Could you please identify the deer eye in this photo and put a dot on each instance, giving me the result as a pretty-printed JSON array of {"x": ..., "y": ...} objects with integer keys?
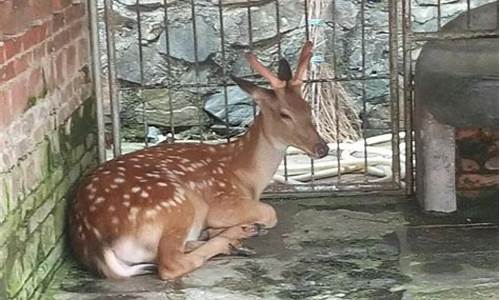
[{"x": 285, "y": 116}]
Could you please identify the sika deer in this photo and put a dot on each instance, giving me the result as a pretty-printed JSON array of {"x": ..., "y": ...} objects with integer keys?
[{"x": 148, "y": 208}]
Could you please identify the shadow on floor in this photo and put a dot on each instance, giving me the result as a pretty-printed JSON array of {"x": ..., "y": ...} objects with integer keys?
[{"x": 343, "y": 248}]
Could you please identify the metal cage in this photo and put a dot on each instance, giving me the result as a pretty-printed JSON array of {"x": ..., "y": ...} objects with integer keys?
[{"x": 403, "y": 44}]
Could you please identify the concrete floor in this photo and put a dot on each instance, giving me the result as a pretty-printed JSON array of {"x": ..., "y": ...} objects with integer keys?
[{"x": 343, "y": 248}]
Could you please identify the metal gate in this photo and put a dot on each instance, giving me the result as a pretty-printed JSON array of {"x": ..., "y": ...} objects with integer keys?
[{"x": 379, "y": 160}]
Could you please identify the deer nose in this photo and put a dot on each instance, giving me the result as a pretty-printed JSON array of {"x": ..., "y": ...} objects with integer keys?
[{"x": 321, "y": 149}]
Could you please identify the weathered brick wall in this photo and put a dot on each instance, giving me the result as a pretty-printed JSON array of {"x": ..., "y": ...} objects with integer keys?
[
  {"x": 477, "y": 160},
  {"x": 47, "y": 134}
]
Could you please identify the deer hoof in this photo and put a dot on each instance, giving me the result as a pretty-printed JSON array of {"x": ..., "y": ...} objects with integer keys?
[
  {"x": 261, "y": 229},
  {"x": 240, "y": 250}
]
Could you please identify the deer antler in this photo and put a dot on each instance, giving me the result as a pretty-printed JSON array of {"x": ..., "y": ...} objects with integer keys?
[
  {"x": 305, "y": 56},
  {"x": 268, "y": 75}
]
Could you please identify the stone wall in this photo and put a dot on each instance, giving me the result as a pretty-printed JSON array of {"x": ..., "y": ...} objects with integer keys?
[{"x": 47, "y": 134}]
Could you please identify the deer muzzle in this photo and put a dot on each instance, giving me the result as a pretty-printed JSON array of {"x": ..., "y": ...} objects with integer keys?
[{"x": 321, "y": 149}]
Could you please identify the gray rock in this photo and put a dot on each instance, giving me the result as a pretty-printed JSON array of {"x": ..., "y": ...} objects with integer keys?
[
  {"x": 239, "y": 110},
  {"x": 158, "y": 108},
  {"x": 128, "y": 66},
  {"x": 181, "y": 39}
]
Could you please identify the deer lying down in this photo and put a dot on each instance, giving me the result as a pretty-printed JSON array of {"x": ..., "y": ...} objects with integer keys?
[{"x": 148, "y": 208}]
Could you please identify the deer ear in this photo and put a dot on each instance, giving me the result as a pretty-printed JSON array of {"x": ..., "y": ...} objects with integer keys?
[
  {"x": 258, "y": 93},
  {"x": 284, "y": 71}
]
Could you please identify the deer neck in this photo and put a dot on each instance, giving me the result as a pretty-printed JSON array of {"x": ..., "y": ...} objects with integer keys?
[{"x": 256, "y": 157}]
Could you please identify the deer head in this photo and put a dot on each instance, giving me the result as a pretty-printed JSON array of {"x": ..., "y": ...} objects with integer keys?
[{"x": 287, "y": 116}]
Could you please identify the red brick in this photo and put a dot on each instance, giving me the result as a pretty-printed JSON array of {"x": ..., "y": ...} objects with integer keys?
[
  {"x": 467, "y": 133},
  {"x": 58, "y": 21},
  {"x": 476, "y": 181},
  {"x": 83, "y": 52},
  {"x": 61, "y": 39},
  {"x": 70, "y": 60},
  {"x": 42, "y": 9},
  {"x": 34, "y": 36},
  {"x": 18, "y": 97},
  {"x": 59, "y": 5},
  {"x": 15, "y": 16},
  {"x": 7, "y": 72},
  {"x": 2, "y": 53},
  {"x": 5, "y": 116},
  {"x": 75, "y": 12},
  {"x": 12, "y": 46},
  {"x": 39, "y": 52},
  {"x": 35, "y": 82},
  {"x": 76, "y": 30},
  {"x": 469, "y": 165},
  {"x": 59, "y": 75},
  {"x": 491, "y": 164},
  {"x": 21, "y": 63}
]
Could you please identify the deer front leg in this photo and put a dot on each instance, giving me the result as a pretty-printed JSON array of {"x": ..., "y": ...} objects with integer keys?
[
  {"x": 244, "y": 212},
  {"x": 176, "y": 258}
]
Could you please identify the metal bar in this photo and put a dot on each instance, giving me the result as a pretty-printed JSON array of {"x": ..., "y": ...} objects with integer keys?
[
  {"x": 141, "y": 71},
  {"x": 96, "y": 74},
  {"x": 468, "y": 14},
  {"x": 438, "y": 15},
  {"x": 336, "y": 103},
  {"x": 197, "y": 67},
  {"x": 262, "y": 82},
  {"x": 278, "y": 27},
  {"x": 169, "y": 70},
  {"x": 431, "y": 36},
  {"x": 114, "y": 95},
  {"x": 306, "y": 17},
  {"x": 394, "y": 89},
  {"x": 408, "y": 96},
  {"x": 363, "y": 87},
  {"x": 224, "y": 76},
  {"x": 250, "y": 43},
  {"x": 278, "y": 37}
]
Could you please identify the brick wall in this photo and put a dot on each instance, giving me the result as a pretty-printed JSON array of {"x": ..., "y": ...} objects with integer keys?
[
  {"x": 477, "y": 160},
  {"x": 47, "y": 134}
]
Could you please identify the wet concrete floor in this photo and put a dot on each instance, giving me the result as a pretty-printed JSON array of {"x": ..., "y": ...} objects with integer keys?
[{"x": 342, "y": 248}]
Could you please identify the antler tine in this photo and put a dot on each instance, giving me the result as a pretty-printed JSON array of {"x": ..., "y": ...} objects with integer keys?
[
  {"x": 259, "y": 68},
  {"x": 305, "y": 56}
]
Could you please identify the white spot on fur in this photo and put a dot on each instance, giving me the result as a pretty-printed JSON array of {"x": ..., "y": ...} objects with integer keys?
[
  {"x": 126, "y": 204},
  {"x": 161, "y": 183},
  {"x": 111, "y": 208},
  {"x": 144, "y": 194},
  {"x": 92, "y": 208},
  {"x": 106, "y": 172},
  {"x": 132, "y": 216},
  {"x": 96, "y": 233},
  {"x": 126, "y": 196},
  {"x": 121, "y": 169},
  {"x": 113, "y": 186},
  {"x": 136, "y": 189},
  {"x": 150, "y": 213},
  {"x": 99, "y": 200},
  {"x": 119, "y": 180}
]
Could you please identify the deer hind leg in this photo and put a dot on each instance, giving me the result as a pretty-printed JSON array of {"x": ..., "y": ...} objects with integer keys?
[{"x": 173, "y": 262}]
